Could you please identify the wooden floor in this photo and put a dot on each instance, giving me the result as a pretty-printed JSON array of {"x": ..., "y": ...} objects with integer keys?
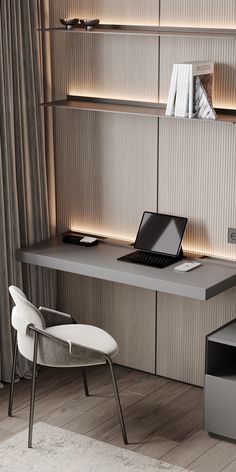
[{"x": 163, "y": 417}]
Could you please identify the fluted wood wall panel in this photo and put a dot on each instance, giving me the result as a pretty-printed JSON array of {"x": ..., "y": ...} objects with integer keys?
[
  {"x": 127, "y": 313},
  {"x": 208, "y": 13},
  {"x": 182, "y": 325},
  {"x": 107, "y": 167},
  {"x": 118, "y": 66},
  {"x": 218, "y": 50},
  {"x": 108, "y": 11},
  {"x": 106, "y": 171},
  {"x": 197, "y": 169}
]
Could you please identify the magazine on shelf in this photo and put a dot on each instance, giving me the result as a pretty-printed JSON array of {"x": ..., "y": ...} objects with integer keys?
[{"x": 190, "y": 93}]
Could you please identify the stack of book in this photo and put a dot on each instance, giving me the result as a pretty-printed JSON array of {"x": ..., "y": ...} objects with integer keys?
[{"x": 190, "y": 93}]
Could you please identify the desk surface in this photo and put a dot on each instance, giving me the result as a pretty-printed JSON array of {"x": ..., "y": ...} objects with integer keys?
[{"x": 208, "y": 280}]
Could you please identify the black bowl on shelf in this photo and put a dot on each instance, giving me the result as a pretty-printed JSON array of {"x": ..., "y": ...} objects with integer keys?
[
  {"x": 69, "y": 22},
  {"x": 89, "y": 24}
]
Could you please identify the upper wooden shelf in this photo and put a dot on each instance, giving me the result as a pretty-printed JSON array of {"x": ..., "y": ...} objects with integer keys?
[
  {"x": 128, "y": 106},
  {"x": 229, "y": 33},
  {"x": 116, "y": 106}
]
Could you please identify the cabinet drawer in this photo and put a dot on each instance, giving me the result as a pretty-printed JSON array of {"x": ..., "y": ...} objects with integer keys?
[{"x": 220, "y": 406}]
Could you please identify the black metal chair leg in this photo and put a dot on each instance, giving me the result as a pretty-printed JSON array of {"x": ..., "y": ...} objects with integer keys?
[
  {"x": 11, "y": 396},
  {"x": 32, "y": 401},
  {"x": 117, "y": 397},
  {"x": 85, "y": 381}
]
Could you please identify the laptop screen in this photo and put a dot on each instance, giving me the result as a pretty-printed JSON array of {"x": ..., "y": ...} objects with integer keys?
[{"x": 160, "y": 233}]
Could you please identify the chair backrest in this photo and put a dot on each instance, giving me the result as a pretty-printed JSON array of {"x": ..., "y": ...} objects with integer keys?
[
  {"x": 50, "y": 352},
  {"x": 14, "y": 291},
  {"x": 24, "y": 314}
]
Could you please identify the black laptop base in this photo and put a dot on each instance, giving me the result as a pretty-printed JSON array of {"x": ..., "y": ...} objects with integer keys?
[{"x": 150, "y": 259}]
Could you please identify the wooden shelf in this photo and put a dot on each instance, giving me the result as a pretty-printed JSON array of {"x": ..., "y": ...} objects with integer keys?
[
  {"x": 131, "y": 107},
  {"x": 150, "y": 30},
  {"x": 108, "y": 107}
]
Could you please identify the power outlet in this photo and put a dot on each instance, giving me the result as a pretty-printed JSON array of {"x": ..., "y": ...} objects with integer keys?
[{"x": 232, "y": 235}]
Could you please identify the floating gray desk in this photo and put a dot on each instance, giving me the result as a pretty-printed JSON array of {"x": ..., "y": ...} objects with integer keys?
[{"x": 101, "y": 262}]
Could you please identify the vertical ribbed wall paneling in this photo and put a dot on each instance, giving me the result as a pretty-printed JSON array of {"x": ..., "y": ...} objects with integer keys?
[
  {"x": 106, "y": 168},
  {"x": 219, "y": 50},
  {"x": 108, "y": 11},
  {"x": 118, "y": 66},
  {"x": 46, "y": 95},
  {"x": 106, "y": 171},
  {"x": 182, "y": 325},
  {"x": 45, "y": 12},
  {"x": 60, "y": 58},
  {"x": 208, "y": 13},
  {"x": 197, "y": 169},
  {"x": 127, "y": 313}
]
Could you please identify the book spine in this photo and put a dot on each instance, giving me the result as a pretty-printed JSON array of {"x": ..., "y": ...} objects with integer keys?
[
  {"x": 170, "y": 108},
  {"x": 191, "y": 99},
  {"x": 182, "y": 96}
]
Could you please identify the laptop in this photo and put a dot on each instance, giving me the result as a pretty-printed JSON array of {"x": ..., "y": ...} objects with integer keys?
[{"x": 158, "y": 240}]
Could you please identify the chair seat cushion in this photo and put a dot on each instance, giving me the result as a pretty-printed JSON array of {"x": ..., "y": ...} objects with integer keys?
[{"x": 86, "y": 336}]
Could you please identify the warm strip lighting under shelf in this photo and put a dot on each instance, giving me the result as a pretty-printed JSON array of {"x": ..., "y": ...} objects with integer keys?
[
  {"x": 221, "y": 109},
  {"x": 204, "y": 26},
  {"x": 104, "y": 28},
  {"x": 207, "y": 253},
  {"x": 130, "y": 240},
  {"x": 109, "y": 235},
  {"x": 149, "y": 101}
]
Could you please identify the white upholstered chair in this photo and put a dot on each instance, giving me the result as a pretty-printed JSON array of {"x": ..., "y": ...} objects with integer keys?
[{"x": 51, "y": 338}]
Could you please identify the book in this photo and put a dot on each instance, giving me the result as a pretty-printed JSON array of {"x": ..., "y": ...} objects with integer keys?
[
  {"x": 202, "y": 73},
  {"x": 203, "y": 106},
  {"x": 170, "y": 108},
  {"x": 182, "y": 92},
  {"x": 190, "y": 93}
]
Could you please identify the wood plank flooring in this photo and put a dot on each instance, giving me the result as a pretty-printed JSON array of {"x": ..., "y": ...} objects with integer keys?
[{"x": 163, "y": 417}]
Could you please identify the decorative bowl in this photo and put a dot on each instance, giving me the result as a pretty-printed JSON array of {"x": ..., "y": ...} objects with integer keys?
[
  {"x": 89, "y": 24},
  {"x": 69, "y": 22}
]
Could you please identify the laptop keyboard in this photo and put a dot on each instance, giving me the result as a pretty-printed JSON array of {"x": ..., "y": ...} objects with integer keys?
[{"x": 147, "y": 258}]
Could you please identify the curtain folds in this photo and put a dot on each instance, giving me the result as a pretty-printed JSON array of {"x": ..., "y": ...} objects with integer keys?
[{"x": 24, "y": 206}]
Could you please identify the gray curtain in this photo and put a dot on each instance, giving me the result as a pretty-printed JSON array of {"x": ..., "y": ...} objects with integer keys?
[{"x": 24, "y": 207}]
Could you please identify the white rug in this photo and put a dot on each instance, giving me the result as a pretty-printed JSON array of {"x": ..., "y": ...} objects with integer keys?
[{"x": 57, "y": 450}]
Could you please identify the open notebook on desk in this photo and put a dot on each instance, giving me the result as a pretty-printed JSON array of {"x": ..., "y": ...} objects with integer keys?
[{"x": 158, "y": 240}]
